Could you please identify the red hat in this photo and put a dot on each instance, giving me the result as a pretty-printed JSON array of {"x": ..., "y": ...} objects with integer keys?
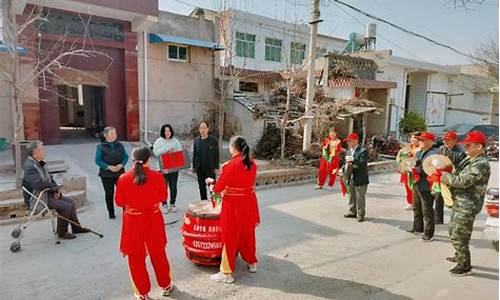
[
  {"x": 474, "y": 137},
  {"x": 425, "y": 136},
  {"x": 450, "y": 135},
  {"x": 352, "y": 137}
]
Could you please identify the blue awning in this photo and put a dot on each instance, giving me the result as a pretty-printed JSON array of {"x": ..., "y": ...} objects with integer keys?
[
  {"x": 5, "y": 48},
  {"x": 158, "y": 38}
]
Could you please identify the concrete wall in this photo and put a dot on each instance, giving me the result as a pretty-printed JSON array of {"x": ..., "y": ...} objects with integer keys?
[
  {"x": 178, "y": 92},
  {"x": 253, "y": 129},
  {"x": 29, "y": 101},
  {"x": 378, "y": 124},
  {"x": 396, "y": 95}
]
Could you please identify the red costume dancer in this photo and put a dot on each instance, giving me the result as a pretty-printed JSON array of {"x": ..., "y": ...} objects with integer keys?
[
  {"x": 330, "y": 159},
  {"x": 240, "y": 214},
  {"x": 140, "y": 192},
  {"x": 407, "y": 178}
]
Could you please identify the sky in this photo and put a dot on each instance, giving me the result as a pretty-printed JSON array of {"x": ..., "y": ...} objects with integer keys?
[{"x": 463, "y": 29}]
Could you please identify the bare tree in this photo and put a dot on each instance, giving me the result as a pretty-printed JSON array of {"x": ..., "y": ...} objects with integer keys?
[
  {"x": 465, "y": 4},
  {"x": 228, "y": 74},
  {"x": 24, "y": 44},
  {"x": 486, "y": 55}
]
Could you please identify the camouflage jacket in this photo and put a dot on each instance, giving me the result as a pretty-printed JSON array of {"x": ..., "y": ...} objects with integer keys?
[{"x": 468, "y": 184}]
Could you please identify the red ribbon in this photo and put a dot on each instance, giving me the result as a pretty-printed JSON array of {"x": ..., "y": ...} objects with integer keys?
[{"x": 436, "y": 176}]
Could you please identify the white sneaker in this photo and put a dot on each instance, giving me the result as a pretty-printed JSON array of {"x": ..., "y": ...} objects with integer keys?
[
  {"x": 172, "y": 208},
  {"x": 221, "y": 277},
  {"x": 142, "y": 297},
  {"x": 252, "y": 268},
  {"x": 165, "y": 292},
  {"x": 318, "y": 187},
  {"x": 330, "y": 188},
  {"x": 409, "y": 207}
]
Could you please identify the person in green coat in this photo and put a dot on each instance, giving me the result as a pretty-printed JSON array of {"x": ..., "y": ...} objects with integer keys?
[{"x": 468, "y": 184}]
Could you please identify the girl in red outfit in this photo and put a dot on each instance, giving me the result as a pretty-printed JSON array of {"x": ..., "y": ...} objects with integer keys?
[
  {"x": 330, "y": 158},
  {"x": 140, "y": 192},
  {"x": 240, "y": 213}
]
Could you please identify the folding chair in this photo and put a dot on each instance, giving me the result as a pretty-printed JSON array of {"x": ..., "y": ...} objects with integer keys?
[{"x": 39, "y": 208}]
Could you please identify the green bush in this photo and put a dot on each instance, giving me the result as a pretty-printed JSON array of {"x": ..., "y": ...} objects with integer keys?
[{"x": 411, "y": 122}]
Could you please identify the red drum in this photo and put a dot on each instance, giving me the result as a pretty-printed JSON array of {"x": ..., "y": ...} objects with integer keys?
[{"x": 201, "y": 231}]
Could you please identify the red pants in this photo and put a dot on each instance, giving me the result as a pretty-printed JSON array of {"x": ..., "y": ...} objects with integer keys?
[
  {"x": 409, "y": 192},
  {"x": 245, "y": 245},
  {"x": 139, "y": 274},
  {"x": 326, "y": 169}
]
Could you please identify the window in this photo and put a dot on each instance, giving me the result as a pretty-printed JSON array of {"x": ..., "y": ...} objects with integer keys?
[
  {"x": 297, "y": 53},
  {"x": 177, "y": 53},
  {"x": 273, "y": 49},
  {"x": 245, "y": 45}
]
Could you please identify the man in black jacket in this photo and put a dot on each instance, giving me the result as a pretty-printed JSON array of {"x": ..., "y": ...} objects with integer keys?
[
  {"x": 356, "y": 160},
  {"x": 205, "y": 158},
  {"x": 423, "y": 199},
  {"x": 36, "y": 177}
]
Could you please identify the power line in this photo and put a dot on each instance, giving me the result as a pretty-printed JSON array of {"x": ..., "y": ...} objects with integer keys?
[
  {"x": 408, "y": 31},
  {"x": 378, "y": 34}
]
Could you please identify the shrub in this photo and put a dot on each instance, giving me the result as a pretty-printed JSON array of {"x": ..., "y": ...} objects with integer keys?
[{"x": 411, "y": 122}]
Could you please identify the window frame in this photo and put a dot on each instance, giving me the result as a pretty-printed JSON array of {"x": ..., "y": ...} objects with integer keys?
[
  {"x": 245, "y": 46},
  {"x": 178, "y": 47},
  {"x": 270, "y": 48},
  {"x": 294, "y": 56}
]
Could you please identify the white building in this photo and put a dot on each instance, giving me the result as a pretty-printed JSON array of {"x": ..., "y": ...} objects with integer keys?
[
  {"x": 444, "y": 95},
  {"x": 262, "y": 45}
]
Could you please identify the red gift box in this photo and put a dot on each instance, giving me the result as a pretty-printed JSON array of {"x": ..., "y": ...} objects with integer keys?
[{"x": 174, "y": 161}]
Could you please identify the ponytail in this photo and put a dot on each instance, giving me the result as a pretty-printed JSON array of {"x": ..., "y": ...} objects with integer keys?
[
  {"x": 141, "y": 156},
  {"x": 241, "y": 145}
]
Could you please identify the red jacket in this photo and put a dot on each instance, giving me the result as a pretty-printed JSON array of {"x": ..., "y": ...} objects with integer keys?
[
  {"x": 142, "y": 218},
  {"x": 240, "y": 210}
]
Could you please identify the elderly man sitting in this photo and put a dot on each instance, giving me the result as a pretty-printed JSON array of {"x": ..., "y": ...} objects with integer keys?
[{"x": 37, "y": 178}]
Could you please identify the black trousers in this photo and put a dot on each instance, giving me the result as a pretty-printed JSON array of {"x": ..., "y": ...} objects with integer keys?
[
  {"x": 423, "y": 212},
  {"x": 203, "y": 174},
  {"x": 109, "y": 184},
  {"x": 171, "y": 182},
  {"x": 439, "y": 208},
  {"x": 67, "y": 209}
]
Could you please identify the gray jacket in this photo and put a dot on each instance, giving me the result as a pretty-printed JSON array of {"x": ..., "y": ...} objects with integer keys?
[{"x": 36, "y": 177}]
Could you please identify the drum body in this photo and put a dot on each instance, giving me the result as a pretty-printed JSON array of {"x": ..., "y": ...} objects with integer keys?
[{"x": 202, "y": 233}]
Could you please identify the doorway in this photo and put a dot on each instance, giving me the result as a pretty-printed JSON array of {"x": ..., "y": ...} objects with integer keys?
[{"x": 81, "y": 111}]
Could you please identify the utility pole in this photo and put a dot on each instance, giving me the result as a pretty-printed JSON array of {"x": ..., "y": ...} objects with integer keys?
[{"x": 310, "y": 75}]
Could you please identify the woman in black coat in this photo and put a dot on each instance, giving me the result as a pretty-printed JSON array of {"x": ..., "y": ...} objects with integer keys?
[{"x": 111, "y": 158}]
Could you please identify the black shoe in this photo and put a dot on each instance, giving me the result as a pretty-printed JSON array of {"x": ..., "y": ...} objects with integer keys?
[
  {"x": 427, "y": 238},
  {"x": 411, "y": 230},
  {"x": 349, "y": 215},
  {"x": 460, "y": 271},
  {"x": 452, "y": 259},
  {"x": 361, "y": 219},
  {"x": 67, "y": 236},
  {"x": 112, "y": 215},
  {"x": 81, "y": 230}
]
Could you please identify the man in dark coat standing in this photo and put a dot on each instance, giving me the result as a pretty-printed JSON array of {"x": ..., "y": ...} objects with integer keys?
[
  {"x": 356, "y": 159},
  {"x": 423, "y": 199},
  {"x": 205, "y": 158}
]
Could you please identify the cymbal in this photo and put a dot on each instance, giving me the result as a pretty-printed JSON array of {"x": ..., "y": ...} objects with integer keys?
[
  {"x": 436, "y": 161},
  {"x": 406, "y": 165}
]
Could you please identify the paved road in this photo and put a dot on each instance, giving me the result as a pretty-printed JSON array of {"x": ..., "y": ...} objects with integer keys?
[{"x": 307, "y": 250}]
